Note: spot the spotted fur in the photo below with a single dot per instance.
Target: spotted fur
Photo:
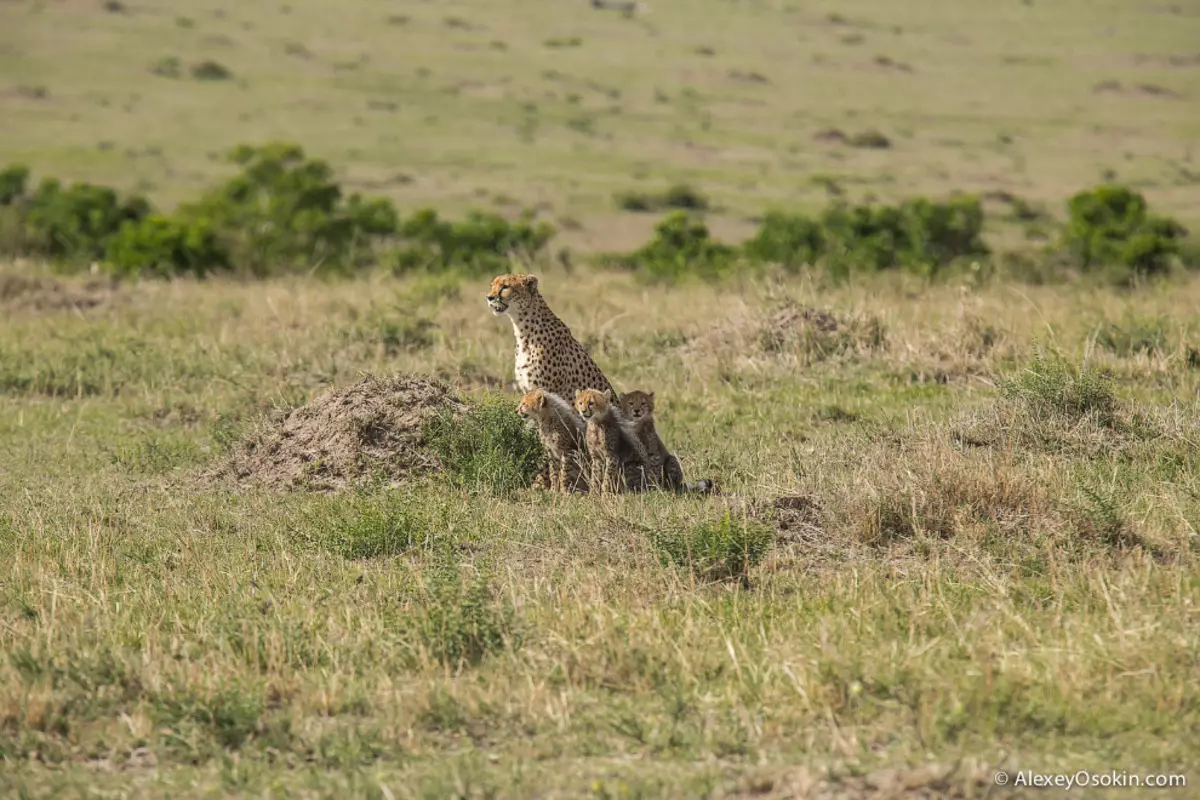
(547, 356)
(619, 461)
(664, 467)
(562, 431)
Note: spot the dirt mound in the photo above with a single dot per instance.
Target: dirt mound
(371, 430)
(43, 294)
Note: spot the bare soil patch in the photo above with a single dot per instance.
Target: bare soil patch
(372, 430)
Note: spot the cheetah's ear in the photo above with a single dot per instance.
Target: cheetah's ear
(539, 402)
(610, 394)
(531, 282)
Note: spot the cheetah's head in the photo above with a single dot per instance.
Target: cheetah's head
(531, 404)
(593, 403)
(508, 290)
(637, 405)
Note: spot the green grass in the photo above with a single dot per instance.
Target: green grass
(956, 530)
(1002, 576)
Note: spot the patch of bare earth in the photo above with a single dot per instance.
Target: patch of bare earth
(373, 430)
(43, 294)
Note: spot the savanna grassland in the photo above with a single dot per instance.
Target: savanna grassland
(958, 520)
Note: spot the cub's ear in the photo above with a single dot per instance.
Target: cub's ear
(531, 282)
(540, 401)
(651, 396)
(610, 394)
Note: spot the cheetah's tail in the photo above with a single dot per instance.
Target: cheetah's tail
(701, 486)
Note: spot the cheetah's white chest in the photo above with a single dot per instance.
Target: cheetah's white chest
(526, 365)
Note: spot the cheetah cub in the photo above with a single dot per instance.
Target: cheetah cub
(619, 461)
(562, 432)
(663, 467)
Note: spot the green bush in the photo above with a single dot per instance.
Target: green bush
(285, 210)
(487, 449)
(684, 197)
(919, 235)
(869, 139)
(76, 221)
(790, 240)
(1111, 226)
(165, 246)
(12, 183)
(716, 549)
(209, 70)
(939, 233)
(681, 247)
(681, 197)
(481, 243)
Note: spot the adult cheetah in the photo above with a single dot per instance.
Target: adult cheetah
(548, 357)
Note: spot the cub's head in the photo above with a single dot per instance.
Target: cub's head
(592, 403)
(532, 404)
(510, 290)
(637, 405)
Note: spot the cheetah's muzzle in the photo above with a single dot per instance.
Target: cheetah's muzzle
(497, 305)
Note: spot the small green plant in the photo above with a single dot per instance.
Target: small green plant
(459, 623)
(716, 549)
(1050, 386)
(224, 720)
(370, 526)
(1112, 227)
(209, 70)
(487, 449)
(636, 201)
(164, 247)
(681, 196)
(870, 140)
(681, 247)
(1100, 514)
